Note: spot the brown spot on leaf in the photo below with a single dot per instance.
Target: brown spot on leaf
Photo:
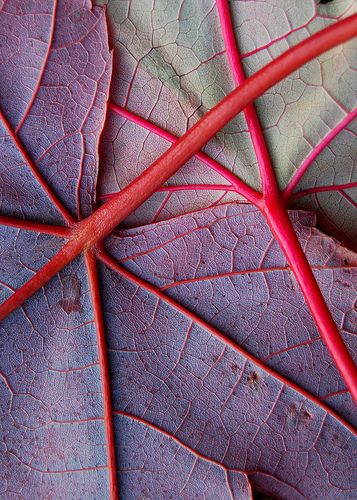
(234, 368)
(297, 417)
(255, 383)
(71, 294)
(336, 440)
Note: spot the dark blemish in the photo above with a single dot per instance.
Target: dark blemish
(258, 495)
(254, 382)
(346, 262)
(291, 416)
(291, 286)
(234, 368)
(304, 418)
(325, 1)
(298, 418)
(343, 283)
(71, 294)
(336, 440)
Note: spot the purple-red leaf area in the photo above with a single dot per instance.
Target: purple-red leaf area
(219, 380)
(223, 265)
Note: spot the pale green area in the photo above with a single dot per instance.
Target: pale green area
(168, 68)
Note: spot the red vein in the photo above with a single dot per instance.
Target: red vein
(49, 46)
(111, 263)
(197, 187)
(219, 199)
(7, 382)
(34, 226)
(193, 140)
(47, 189)
(67, 253)
(290, 348)
(91, 266)
(321, 189)
(172, 437)
(238, 184)
(292, 30)
(255, 130)
(162, 206)
(199, 455)
(277, 39)
(280, 224)
(301, 171)
(333, 394)
(224, 275)
(349, 199)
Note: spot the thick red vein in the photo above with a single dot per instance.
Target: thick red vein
(91, 266)
(283, 230)
(301, 171)
(47, 189)
(113, 264)
(280, 224)
(266, 170)
(35, 226)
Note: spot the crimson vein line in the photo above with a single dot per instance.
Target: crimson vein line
(38, 227)
(104, 220)
(322, 189)
(91, 265)
(171, 436)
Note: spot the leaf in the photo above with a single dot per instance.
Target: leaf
(170, 373)
(171, 67)
(176, 359)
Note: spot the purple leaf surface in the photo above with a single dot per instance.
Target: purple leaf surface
(185, 362)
